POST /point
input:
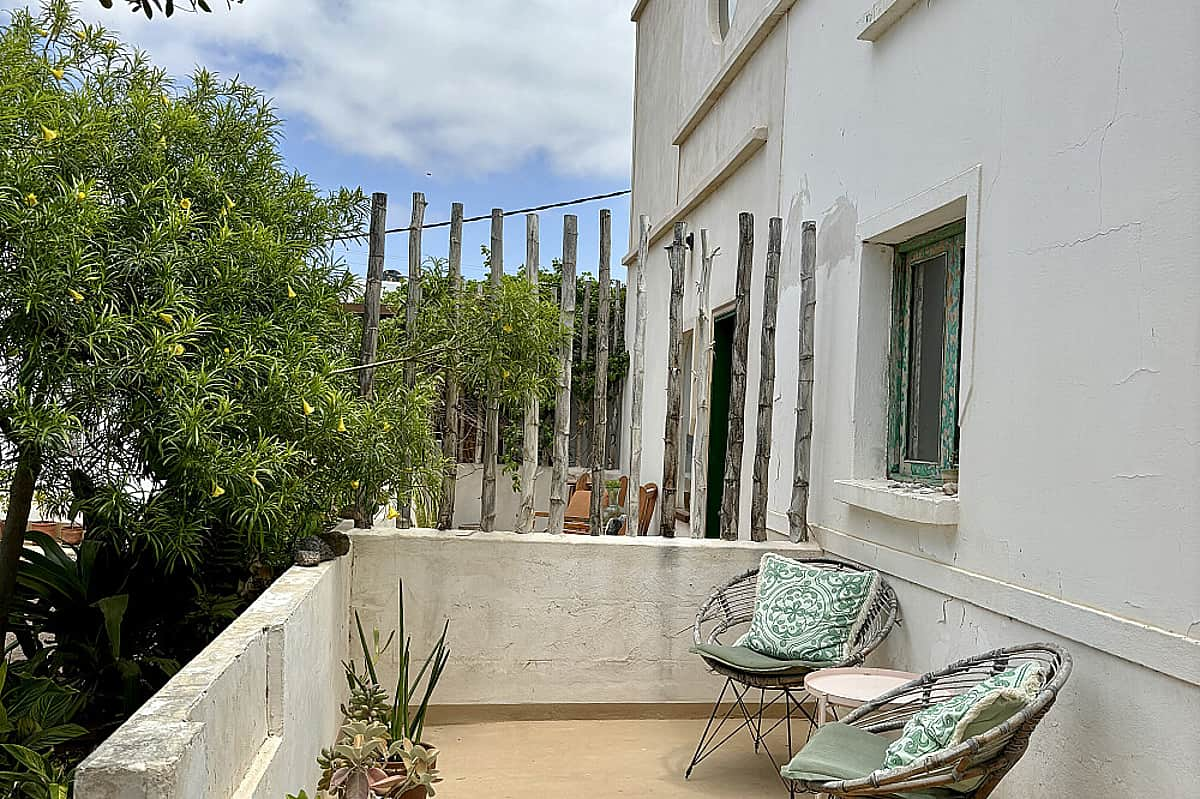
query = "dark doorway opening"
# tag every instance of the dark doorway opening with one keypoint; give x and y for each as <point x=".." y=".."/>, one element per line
<point x="718" y="424"/>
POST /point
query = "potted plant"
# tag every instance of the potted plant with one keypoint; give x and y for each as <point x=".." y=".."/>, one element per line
<point x="613" y="488"/>
<point x="379" y="751"/>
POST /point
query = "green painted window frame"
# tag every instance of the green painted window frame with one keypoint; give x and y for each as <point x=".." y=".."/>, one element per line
<point x="951" y="241"/>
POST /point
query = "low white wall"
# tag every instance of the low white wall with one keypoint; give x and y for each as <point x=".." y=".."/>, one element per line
<point x="246" y="717"/>
<point x="541" y="619"/>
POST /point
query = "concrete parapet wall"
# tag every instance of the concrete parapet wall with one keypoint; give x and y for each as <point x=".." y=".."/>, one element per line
<point x="248" y="715"/>
<point x="541" y="619"/>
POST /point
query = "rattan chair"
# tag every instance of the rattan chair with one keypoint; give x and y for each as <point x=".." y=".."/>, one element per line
<point x="730" y="608"/>
<point x="983" y="759"/>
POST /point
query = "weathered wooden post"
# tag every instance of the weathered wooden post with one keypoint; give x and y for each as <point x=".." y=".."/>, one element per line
<point x="798" y="511"/>
<point x="450" y="433"/>
<point x="676" y="255"/>
<point x="766" y="384"/>
<point x="529" y="438"/>
<point x="600" y="397"/>
<point x="732" y="486"/>
<point x="491" y="440"/>
<point x="583" y="318"/>
<point x="702" y="387"/>
<point x="370" y="338"/>
<point x="412" y="309"/>
<point x="562" y="399"/>
<point x="638" y="377"/>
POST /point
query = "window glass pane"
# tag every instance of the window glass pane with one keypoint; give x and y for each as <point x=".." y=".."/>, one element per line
<point x="927" y="309"/>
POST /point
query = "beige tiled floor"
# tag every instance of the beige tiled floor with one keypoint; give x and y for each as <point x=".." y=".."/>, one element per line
<point x="584" y="759"/>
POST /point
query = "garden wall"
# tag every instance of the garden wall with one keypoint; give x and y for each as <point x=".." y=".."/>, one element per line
<point x="247" y="716"/>
<point x="551" y="620"/>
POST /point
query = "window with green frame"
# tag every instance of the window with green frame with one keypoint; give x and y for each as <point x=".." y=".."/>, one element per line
<point x="923" y="374"/>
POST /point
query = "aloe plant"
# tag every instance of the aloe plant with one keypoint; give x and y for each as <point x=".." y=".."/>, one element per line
<point x="405" y="719"/>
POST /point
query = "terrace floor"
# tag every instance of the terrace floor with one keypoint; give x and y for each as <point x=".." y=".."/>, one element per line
<point x="644" y="758"/>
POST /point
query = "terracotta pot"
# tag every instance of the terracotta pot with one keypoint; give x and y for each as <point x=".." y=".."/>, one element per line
<point x="397" y="767"/>
<point x="71" y="534"/>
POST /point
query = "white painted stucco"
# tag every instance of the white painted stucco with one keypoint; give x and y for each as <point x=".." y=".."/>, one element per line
<point x="542" y="619"/>
<point x="1066" y="134"/>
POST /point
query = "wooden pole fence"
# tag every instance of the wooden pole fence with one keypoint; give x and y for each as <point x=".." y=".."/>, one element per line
<point x="702" y="387"/>
<point x="491" y="441"/>
<point x="562" y="399"/>
<point x="676" y="254"/>
<point x="638" y="379"/>
<point x="451" y="431"/>
<point x="732" y="486"/>
<point x="529" y="438"/>
<point x="600" y="399"/>
<point x="370" y="338"/>
<point x="766" y="383"/>
<point x="798" y="511"/>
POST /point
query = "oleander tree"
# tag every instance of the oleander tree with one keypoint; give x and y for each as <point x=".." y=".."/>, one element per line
<point x="171" y="319"/>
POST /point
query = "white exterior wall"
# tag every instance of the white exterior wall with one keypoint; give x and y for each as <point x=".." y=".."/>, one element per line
<point x="1069" y="132"/>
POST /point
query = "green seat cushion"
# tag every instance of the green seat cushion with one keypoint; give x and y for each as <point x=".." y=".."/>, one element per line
<point x="841" y="752"/>
<point x="804" y="612"/>
<point x="743" y="658"/>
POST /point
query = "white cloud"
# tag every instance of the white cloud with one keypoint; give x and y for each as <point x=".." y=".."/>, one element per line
<point x="470" y="86"/>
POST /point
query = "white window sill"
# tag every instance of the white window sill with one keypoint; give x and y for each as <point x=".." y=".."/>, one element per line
<point x="911" y="503"/>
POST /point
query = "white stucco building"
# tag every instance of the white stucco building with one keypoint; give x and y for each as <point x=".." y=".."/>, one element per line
<point x="1060" y="140"/>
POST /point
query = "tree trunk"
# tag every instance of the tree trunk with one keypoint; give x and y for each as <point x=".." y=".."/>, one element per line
<point x="766" y="384"/>
<point x="732" y="487"/>
<point x="583" y="316"/>
<point x="562" y="400"/>
<point x="529" y="439"/>
<point x="491" y="440"/>
<point x="600" y="396"/>
<point x="451" y="432"/>
<point x="702" y="388"/>
<point x="20" y="502"/>
<point x="634" y="524"/>
<point x="798" y="512"/>
<point x="676" y="254"/>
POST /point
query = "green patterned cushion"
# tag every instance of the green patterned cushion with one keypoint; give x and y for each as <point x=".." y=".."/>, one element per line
<point x="804" y="612"/>
<point x="971" y="713"/>
<point x="743" y="658"/>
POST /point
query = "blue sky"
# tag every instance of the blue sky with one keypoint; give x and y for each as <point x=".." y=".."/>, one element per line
<point x="492" y="103"/>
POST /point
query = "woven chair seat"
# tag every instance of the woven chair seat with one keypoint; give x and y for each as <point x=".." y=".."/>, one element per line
<point x="745" y="659"/>
<point x="982" y="760"/>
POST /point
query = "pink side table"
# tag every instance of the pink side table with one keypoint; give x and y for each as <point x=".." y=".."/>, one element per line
<point x="851" y="687"/>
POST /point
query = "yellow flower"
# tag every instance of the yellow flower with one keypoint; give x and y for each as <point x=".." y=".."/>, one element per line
<point x="226" y="350"/>
<point x="58" y="72"/>
<point x="308" y="409"/>
<point x="48" y="134"/>
<point x="341" y="428"/>
<point x="80" y="35"/>
<point x="355" y="484"/>
<point x="162" y="141"/>
<point x="392" y="513"/>
<point x="504" y="374"/>
<point x="387" y="427"/>
<point x="42" y="31"/>
<point x="81" y="195"/>
<point x="185" y="204"/>
<point x="75" y="295"/>
<point x="166" y="318"/>
<point x="254" y="481"/>
<point x="291" y="292"/>
<point x="229" y="203"/>
<point x="508" y="328"/>
<point x="31" y="199"/>
<point x="165" y="99"/>
<point x="177" y="349"/>
<point x="217" y="490"/>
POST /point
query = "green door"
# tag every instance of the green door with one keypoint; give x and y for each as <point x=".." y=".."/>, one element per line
<point x="718" y="423"/>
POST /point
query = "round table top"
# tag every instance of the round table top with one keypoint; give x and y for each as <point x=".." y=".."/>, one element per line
<point x="852" y="687"/>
